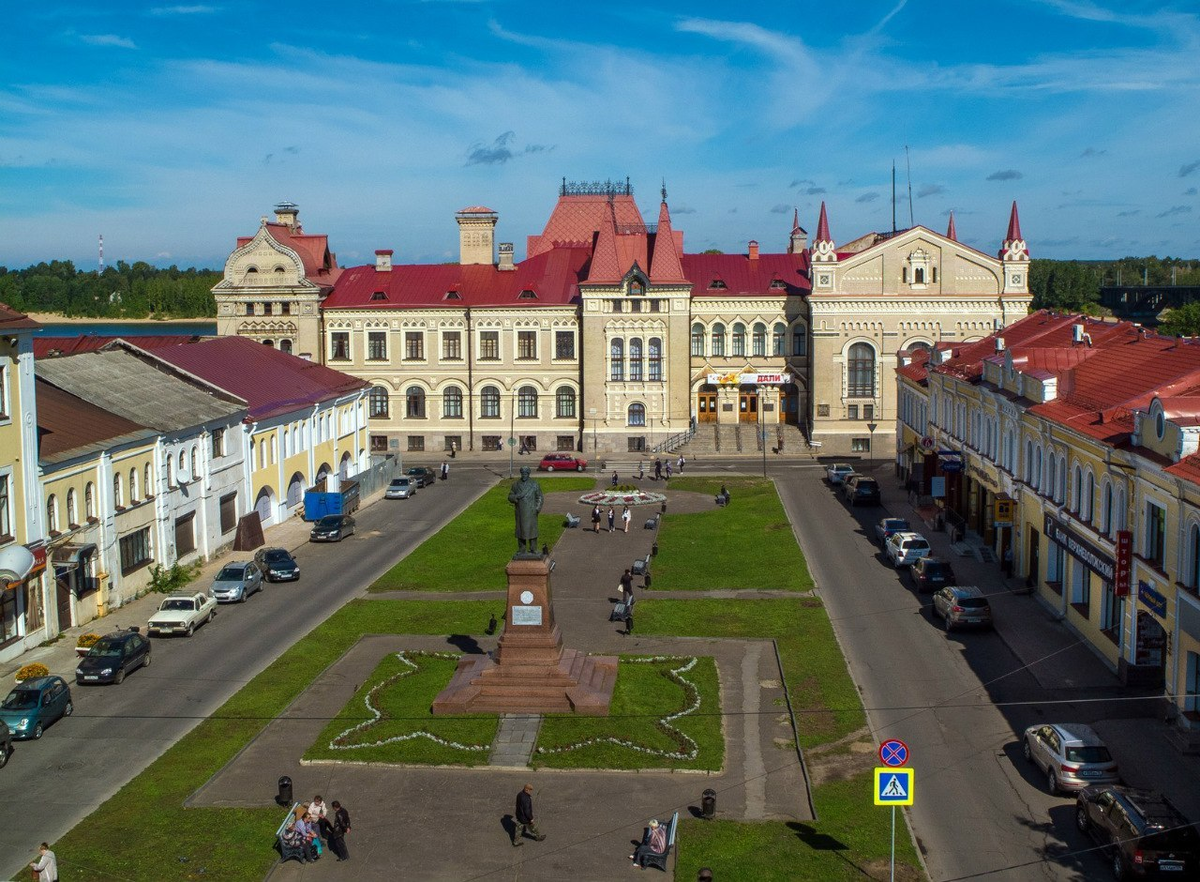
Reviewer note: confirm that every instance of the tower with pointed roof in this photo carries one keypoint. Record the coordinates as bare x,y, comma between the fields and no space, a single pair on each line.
1014,255
798,241
824,256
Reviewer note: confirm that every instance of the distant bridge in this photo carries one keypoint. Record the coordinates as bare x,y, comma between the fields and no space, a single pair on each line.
1144,303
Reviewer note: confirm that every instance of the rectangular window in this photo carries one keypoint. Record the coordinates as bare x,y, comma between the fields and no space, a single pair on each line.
416,442
1081,587
799,342
377,346
249,309
491,442
285,309
860,445
3,391
636,443
489,345
564,442
228,513
697,344
218,446
526,345
135,551
564,345
9,620
452,442
618,305
656,306
5,511
414,345
379,443
268,308
852,412
339,346
1110,613
635,305
1156,534
868,412
452,346
185,534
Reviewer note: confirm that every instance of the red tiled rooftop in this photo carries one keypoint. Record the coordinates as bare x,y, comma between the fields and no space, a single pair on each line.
320,265
11,319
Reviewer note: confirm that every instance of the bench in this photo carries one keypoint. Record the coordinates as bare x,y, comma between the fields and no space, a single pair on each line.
652,523
641,567
721,499
660,860
286,851
572,521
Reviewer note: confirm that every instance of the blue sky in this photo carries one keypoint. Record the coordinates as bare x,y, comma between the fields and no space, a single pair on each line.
172,128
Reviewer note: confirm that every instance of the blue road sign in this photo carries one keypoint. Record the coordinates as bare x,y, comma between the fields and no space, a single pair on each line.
893,752
894,786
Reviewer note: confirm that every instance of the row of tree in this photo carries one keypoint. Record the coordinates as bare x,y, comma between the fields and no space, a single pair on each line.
1074,286
136,290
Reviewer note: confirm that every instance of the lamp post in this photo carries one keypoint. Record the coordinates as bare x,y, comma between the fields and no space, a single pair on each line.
512,431
592,414
762,429
871,427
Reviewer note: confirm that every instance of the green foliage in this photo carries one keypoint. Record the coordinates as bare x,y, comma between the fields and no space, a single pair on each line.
1182,322
1064,286
749,544
124,291
164,580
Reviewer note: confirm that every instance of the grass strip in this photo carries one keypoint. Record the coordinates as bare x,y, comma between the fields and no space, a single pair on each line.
485,530
748,544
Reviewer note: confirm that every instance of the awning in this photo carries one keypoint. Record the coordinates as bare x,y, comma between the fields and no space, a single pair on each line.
70,556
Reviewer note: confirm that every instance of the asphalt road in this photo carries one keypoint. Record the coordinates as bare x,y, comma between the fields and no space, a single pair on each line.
116,731
980,811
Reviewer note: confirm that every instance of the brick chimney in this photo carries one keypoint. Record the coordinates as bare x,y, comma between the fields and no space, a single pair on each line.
505,250
288,214
383,261
753,248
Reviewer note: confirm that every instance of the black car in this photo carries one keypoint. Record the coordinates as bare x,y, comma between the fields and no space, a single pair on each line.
931,574
5,744
332,528
423,476
112,657
277,564
861,490
1146,835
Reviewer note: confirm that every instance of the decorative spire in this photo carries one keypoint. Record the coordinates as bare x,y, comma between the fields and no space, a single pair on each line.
823,226
665,265
664,190
823,248
1013,247
605,266
1014,225
795,220
951,232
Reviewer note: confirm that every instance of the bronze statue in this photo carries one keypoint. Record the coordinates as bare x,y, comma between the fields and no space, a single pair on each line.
526,496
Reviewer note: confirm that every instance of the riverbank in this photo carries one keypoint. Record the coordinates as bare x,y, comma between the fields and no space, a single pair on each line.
49,318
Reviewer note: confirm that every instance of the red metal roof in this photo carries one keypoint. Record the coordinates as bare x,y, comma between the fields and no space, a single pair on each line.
665,266
271,382
10,319
951,231
607,264
476,209
44,347
320,264
743,276
67,423
823,226
1014,225
576,220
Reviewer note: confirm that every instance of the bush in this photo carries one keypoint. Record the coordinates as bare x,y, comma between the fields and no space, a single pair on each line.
36,669
87,640
164,580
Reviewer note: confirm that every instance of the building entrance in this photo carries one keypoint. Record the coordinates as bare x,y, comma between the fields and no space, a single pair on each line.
789,404
706,406
748,407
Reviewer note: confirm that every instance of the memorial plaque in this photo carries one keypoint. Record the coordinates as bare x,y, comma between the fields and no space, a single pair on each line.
527,615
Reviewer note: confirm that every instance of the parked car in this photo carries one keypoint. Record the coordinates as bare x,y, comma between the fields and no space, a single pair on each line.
838,472
277,564
5,744
332,528
422,476
1070,755
1147,837
401,488
562,462
887,526
962,606
238,580
903,548
861,490
182,613
32,706
112,657
931,573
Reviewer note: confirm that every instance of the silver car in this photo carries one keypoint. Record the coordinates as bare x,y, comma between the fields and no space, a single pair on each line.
401,488
1071,755
237,581
838,472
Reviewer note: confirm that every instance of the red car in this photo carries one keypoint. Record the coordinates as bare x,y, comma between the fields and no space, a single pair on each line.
562,462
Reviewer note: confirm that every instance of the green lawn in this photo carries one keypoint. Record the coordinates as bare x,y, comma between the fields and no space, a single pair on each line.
144,832
750,544
405,730
469,553
851,841
635,734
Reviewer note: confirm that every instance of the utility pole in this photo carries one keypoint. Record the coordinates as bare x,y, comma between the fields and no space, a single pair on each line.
762,429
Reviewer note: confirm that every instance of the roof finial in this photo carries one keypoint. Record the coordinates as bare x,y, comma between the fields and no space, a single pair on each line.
951,231
664,189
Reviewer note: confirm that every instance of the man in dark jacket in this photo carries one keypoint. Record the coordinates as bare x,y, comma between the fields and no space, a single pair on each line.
338,830
524,817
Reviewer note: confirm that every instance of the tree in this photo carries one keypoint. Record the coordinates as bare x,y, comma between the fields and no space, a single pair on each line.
1182,322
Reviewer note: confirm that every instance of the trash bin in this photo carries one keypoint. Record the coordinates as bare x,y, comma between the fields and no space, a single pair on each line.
704,875
708,804
285,791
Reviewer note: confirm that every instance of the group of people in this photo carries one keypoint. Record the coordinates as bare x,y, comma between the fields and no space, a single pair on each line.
597,516
314,822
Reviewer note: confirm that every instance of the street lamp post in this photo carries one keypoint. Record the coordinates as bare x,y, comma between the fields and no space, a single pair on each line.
762,429
871,427
592,414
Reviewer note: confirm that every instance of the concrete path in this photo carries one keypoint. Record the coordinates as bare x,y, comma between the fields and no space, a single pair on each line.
515,738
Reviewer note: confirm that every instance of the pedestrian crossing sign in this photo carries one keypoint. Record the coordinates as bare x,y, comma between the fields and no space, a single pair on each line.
893,786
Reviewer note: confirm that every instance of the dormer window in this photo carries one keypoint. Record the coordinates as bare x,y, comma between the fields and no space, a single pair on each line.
636,288
452,295
917,268
527,294
778,285
717,285
379,295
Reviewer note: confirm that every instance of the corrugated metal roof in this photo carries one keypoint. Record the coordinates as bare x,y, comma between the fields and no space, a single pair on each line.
69,427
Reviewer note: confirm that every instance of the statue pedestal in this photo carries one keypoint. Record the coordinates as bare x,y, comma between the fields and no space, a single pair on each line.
531,673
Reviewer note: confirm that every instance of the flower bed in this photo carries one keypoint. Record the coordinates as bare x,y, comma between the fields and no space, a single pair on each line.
619,496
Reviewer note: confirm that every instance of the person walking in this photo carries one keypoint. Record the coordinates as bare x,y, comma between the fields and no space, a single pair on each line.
445,470
657,469
626,586
682,462
641,469
626,517
338,830
596,518
612,519
453,448
668,469
614,478
524,818
46,866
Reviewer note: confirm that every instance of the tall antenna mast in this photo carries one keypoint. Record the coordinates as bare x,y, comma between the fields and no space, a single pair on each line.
908,165
101,254
893,197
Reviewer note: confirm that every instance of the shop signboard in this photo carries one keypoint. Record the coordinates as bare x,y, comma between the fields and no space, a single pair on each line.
1080,549
760,378
1122,580
1002,512
1152,600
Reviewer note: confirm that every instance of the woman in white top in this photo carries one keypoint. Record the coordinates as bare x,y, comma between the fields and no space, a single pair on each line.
626,517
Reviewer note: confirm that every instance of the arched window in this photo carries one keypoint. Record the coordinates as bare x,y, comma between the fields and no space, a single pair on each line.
860,373
134,496
527,401
718,340
759,339
1028,471
414,403
270,344
739,339
452,402
148,484
181,469
1193,558
274,449
1106,508
635,359
1051,475
195,469
564,402
919,275
637,414
89,500
1089,491
779,339
1039,477
1062,480
655,360
377,402
617,359
1078,500
489,403
697,340
52,513
72,508
118,496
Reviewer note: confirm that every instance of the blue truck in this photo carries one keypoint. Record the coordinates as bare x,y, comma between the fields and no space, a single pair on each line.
318,503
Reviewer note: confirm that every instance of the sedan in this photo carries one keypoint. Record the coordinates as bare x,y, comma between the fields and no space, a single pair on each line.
277,564
401,488
112,657
1070,755
422,476
34,705
887,526
332,528
838,472
237,581
562,462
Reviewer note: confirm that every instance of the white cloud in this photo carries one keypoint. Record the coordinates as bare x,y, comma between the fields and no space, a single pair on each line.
108,40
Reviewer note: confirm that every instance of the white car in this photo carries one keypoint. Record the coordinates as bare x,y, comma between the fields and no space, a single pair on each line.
182,614
905,547
838,472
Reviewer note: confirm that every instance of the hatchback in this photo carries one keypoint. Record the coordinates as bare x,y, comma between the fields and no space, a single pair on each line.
35,704
886,527
903,548
931,573
277,564
332,528
112,657
562,462
237,581
400,488
1071,755
1146,836
861,490
961,606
